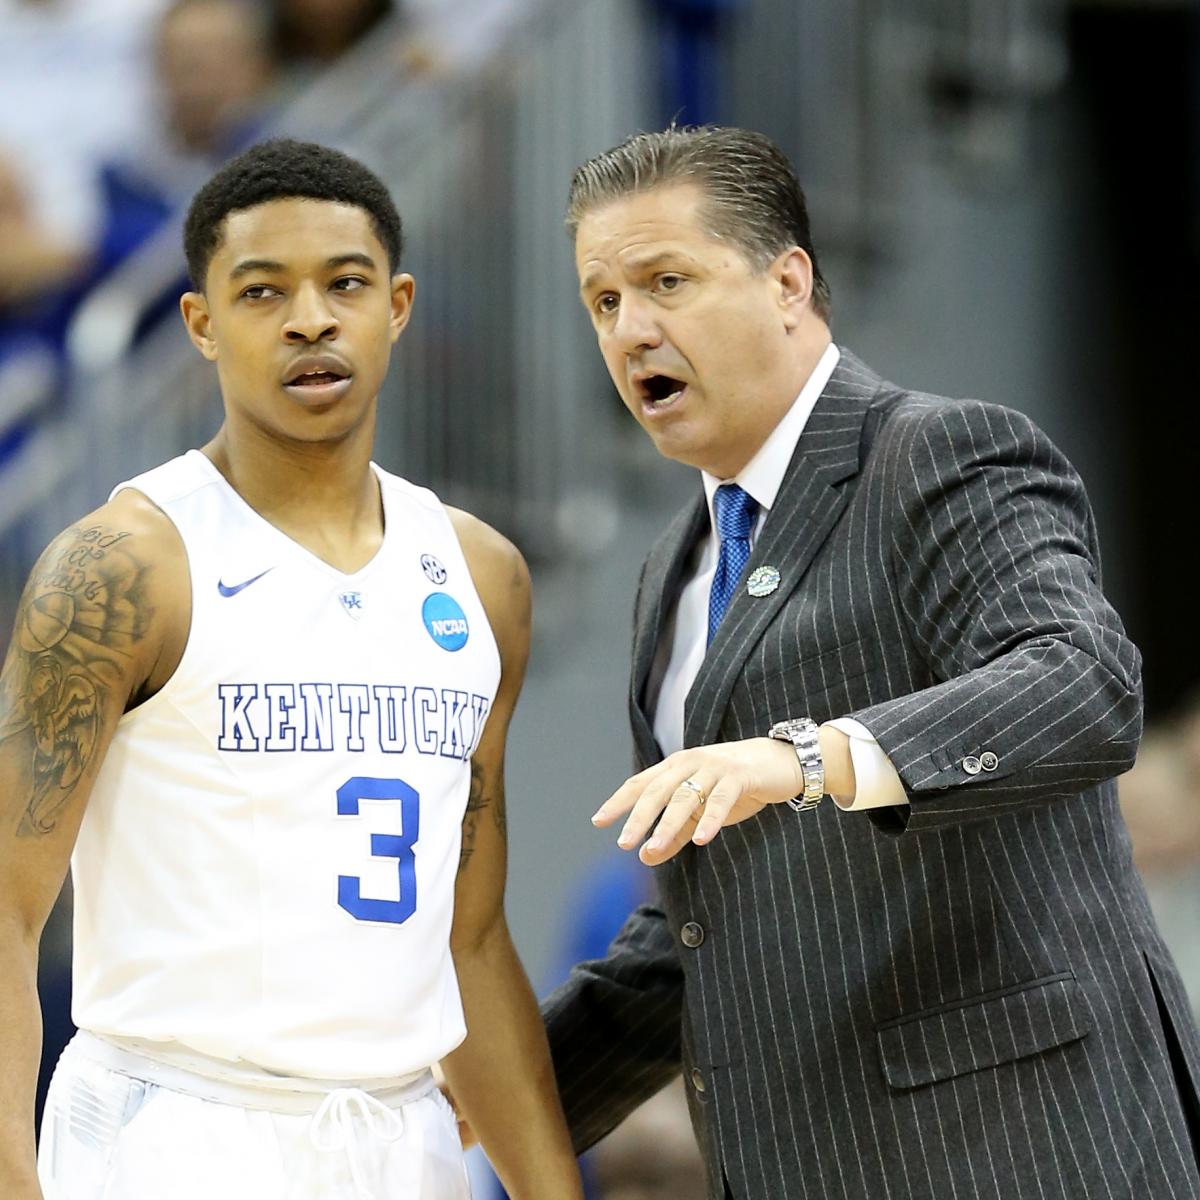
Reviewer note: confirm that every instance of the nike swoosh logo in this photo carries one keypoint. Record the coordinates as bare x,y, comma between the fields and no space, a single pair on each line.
237,587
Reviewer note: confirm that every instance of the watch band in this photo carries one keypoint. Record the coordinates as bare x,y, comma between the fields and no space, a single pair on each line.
802,733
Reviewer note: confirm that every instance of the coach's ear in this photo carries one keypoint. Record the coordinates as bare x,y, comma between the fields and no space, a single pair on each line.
793,272
196,318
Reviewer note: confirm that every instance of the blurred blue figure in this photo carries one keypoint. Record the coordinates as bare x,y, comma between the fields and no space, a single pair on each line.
690,39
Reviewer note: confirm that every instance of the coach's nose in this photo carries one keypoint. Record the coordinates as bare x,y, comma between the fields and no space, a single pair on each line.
636,327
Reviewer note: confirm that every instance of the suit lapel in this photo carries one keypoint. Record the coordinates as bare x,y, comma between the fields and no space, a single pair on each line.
660,588
805,510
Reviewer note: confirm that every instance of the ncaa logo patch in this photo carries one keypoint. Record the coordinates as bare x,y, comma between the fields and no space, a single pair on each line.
445,621
432,566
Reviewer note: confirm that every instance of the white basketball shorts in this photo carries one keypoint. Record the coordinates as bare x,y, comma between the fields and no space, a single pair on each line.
109,1135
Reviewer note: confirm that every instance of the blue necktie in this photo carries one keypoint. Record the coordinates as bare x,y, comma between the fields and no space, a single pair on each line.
734,511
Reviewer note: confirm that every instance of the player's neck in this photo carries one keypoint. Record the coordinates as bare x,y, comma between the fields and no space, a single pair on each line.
322,495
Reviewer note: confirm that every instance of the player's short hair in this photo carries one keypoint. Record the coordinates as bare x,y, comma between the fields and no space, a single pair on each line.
754,199
283,169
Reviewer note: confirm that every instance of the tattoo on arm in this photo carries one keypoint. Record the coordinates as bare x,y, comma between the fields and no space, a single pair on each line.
476,803
82,613
477,800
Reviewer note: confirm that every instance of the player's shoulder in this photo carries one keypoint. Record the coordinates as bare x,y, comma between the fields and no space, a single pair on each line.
129,525
495,562
116,577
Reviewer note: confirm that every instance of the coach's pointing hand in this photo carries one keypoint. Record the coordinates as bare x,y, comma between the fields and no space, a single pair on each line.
693,793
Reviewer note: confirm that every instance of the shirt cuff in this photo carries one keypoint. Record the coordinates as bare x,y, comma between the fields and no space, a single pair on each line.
876,782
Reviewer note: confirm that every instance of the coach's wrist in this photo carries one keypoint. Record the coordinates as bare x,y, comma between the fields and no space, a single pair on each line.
839,765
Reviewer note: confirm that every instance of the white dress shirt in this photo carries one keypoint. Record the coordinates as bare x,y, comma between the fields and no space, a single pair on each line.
685,636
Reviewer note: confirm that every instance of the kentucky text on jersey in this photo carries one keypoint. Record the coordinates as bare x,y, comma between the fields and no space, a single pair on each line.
350,716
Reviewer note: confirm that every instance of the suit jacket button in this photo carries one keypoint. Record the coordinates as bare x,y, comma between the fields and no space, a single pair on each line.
697,1079
972,765
988,761
691,935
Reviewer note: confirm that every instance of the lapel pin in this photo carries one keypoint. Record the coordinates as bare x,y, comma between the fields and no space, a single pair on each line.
763,581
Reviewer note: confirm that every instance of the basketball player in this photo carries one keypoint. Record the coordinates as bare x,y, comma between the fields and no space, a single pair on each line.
263,694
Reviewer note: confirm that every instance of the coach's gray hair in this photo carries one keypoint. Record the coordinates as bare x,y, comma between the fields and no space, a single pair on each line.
753,198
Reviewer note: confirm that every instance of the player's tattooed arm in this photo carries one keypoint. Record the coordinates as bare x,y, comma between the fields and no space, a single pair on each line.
502,581
102,619
501,1075
477,802
73,654
485,804
90,633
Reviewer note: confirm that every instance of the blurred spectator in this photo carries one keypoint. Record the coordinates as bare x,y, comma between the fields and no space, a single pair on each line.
36,265
214,73
315,33
449,36
35,256
215,67
690,46
433,37
1160,798
652,1154
75,91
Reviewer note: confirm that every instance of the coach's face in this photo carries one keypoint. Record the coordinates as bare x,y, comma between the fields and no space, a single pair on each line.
299,312
698,343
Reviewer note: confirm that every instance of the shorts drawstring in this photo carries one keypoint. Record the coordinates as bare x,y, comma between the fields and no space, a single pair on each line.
332,1128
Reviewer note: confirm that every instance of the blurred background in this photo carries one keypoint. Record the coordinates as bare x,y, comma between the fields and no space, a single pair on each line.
1005,200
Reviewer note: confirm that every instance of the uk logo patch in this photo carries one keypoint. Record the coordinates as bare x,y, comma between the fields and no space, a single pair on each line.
445,621
352,602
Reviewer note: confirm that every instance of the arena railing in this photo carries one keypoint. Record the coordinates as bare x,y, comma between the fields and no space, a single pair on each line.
493,387
496,398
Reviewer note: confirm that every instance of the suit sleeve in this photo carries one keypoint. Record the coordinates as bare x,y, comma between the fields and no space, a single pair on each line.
1037,691
615,1027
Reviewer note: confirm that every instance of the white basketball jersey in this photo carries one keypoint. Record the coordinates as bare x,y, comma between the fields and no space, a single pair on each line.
265,872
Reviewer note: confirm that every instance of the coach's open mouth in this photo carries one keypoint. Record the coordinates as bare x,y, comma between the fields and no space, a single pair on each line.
658,390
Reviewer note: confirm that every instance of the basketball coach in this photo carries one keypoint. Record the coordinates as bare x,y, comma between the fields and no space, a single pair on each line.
943,979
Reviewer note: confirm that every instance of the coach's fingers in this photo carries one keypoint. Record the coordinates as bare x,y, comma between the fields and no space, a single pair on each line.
721,802
625,797
674,830
668,800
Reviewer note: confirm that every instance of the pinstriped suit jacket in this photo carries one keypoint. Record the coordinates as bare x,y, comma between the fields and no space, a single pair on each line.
964,998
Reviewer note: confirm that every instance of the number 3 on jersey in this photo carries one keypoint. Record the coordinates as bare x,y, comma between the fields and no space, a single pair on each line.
383,845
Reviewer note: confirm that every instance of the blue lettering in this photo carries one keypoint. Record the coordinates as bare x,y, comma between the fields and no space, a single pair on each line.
317,699
392,703
479,709
281,699
354,700
454,711
286,717
236,731
425,706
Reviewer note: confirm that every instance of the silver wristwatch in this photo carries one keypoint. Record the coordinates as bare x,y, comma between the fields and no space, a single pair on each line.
802,733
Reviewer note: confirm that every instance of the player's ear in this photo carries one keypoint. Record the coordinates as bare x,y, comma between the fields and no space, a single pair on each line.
402,301
194,308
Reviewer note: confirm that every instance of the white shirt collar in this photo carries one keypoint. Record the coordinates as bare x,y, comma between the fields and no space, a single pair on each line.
763,475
